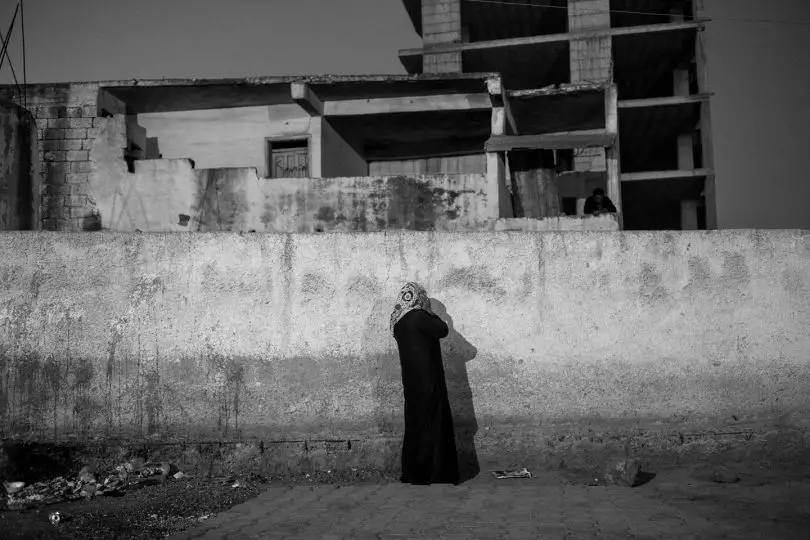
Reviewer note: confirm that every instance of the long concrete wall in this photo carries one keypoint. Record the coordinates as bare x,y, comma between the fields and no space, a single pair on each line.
283,336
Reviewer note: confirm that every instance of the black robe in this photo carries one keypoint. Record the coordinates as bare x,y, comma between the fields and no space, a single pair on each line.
429,447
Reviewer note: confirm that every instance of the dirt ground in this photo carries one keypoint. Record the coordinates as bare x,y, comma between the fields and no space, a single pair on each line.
154,509
738,492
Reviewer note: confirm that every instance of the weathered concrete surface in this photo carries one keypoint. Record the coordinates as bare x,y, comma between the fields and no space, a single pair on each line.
19,178
170,195
607,222
589,341
238,200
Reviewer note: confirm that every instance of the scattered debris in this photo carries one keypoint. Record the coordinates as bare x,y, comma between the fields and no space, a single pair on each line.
626,472
206,516
13,487
522,473
88,484
87,474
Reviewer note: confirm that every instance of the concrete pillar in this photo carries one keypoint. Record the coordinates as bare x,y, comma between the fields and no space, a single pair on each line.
680,78
689,215
686,153
706,133
591,57
612,154
591,61
497,193
441,23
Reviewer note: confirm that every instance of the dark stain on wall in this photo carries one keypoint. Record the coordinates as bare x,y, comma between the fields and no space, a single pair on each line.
651,288
144,290
735,271
268,214
316,286
364,286
379,204
287,260
53,382
152,402
325,213
473,278
410,204
37,279
700,273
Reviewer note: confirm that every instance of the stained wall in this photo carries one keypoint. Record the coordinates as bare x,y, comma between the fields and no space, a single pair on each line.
275,336
19,179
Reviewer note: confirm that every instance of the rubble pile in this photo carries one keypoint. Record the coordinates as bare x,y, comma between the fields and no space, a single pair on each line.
88,484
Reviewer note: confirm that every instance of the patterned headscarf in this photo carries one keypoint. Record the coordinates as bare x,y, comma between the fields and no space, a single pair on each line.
412,296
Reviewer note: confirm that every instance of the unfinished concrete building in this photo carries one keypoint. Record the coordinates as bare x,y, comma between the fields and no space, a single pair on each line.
651,50
307,154
512,110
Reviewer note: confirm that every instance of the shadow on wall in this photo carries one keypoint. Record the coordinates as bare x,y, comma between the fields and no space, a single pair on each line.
456,353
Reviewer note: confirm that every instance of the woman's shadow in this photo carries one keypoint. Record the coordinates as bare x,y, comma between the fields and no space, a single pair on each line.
456,352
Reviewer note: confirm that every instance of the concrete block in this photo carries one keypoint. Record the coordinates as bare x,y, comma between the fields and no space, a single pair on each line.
75,134
49,145
81,167
55,155
76,200
50,112
49,134
70,123
443,62
73,144
77,155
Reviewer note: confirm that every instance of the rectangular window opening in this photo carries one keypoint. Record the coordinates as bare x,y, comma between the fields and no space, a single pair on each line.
288,158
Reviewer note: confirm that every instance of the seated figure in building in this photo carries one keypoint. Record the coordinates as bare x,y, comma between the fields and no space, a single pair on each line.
599,203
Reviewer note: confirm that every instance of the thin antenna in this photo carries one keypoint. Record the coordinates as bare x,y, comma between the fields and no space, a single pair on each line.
25,67
8,37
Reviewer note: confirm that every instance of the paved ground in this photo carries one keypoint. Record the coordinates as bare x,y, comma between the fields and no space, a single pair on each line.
488,508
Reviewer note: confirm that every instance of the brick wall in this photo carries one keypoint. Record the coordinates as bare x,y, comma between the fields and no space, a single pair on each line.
442,62
588,14
441,23
68,122
591,61
66,136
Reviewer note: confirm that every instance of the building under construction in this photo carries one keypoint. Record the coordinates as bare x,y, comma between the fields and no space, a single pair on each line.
651,50
512,109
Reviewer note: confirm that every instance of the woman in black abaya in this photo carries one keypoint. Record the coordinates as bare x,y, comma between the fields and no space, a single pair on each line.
429,447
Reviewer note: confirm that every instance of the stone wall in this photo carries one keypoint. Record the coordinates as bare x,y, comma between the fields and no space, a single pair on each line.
68,118
575,340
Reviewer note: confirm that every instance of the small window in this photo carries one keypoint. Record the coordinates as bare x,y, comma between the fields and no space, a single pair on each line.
288,158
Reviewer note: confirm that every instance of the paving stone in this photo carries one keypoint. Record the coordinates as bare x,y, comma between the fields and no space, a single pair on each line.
475,510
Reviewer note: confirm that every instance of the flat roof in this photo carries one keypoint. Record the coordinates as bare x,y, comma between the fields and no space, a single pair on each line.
165,95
